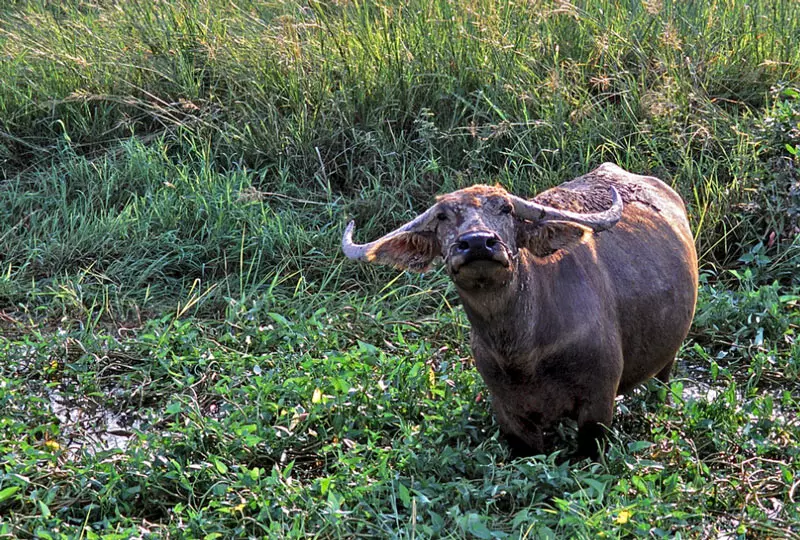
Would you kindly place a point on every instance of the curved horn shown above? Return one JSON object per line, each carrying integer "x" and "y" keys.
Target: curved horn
{"x": 598, "y": 221}
{"x": 364, "y": 252}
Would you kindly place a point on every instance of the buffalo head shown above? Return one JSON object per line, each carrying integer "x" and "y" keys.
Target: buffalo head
{"x": 478, "y": 232}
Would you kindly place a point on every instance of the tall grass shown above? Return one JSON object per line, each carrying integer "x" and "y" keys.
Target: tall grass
{"x": 366, "y": 109}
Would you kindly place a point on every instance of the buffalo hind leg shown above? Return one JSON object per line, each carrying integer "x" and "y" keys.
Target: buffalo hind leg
{"x": 664, "y": 374}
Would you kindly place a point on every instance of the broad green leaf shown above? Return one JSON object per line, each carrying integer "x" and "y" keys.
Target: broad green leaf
{"x": 8, "y": 492}
{"x": 221, "y": 467}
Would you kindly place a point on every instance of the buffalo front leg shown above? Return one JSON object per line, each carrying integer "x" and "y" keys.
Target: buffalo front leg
{"x": 524, "y": 438}
{"x": 594, "y": 419}
{"x": 521, "y": 448}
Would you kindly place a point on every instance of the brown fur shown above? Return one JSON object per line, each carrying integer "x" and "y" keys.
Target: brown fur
{"x": 577, "y": 317}
{"x": 593, "y": 195}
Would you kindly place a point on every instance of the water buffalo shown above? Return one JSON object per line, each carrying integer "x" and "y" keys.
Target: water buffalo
{"x": 573, "y": 297}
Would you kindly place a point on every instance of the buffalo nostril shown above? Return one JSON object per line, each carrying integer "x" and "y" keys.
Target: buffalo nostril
{"x": 463, "y": 245}
{"x": 491, "y": 242}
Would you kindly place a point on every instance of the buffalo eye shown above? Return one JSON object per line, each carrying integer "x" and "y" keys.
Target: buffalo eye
{"x": 506, "y": 208}
{"x": 441, "y": 216}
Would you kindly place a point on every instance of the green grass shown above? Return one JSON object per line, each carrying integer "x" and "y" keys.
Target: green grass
{"x": 185, "y": 353}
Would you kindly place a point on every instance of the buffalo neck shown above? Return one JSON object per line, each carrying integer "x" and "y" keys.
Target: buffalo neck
{"x": 530, "y": 315}
{"x": 504, "y": 317}
{"x": 494, "y": 306}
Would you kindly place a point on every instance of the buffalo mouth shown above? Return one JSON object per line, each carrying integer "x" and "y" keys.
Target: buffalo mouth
{"x": 481, "y": 269}
{"x": 488, "y": 262}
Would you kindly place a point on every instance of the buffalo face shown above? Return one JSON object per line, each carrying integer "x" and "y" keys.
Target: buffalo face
{"x": 477, "y": 235}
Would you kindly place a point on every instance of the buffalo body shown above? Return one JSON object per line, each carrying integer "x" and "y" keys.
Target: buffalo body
{"x": 573, "y": 297}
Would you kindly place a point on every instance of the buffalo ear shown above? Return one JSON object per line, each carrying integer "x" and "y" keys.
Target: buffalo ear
{"x": 543, "y": 239}
{"x": 413, "y": 251}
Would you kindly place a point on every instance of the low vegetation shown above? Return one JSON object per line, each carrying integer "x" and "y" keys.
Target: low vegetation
{"x": 184, "y": 351}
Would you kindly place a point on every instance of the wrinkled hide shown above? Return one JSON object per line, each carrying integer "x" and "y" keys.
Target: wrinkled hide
{"x": 573, "y": 298}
